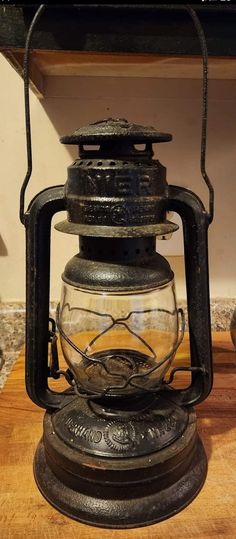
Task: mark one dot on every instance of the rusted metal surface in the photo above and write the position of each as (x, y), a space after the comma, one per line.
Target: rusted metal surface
(122, 492)
(123, 270)
(143, 425)
(117, 189)
(113, 130)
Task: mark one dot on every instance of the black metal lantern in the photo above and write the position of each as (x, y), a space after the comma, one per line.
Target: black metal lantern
(120, 447)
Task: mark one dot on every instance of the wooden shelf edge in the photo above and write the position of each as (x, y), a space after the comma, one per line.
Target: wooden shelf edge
(51, 64)
(36, 81)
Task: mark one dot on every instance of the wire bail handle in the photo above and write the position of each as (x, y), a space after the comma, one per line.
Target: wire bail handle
(202, 41)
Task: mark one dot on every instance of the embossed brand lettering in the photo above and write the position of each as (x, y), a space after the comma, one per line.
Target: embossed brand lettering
(117, 213)
(127, 185)
(165, 426)
(124, 185)
(86, 433)
(93, 214)
(144, 186)
(92, 184)
(98, 184)
(154, 432)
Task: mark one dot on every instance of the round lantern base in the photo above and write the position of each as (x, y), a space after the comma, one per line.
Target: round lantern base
(123, 492)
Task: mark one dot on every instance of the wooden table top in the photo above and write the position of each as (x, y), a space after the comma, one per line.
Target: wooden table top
(25, 513)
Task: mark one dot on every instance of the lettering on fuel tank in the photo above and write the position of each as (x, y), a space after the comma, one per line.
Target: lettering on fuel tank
(86, 433)
(163, 428)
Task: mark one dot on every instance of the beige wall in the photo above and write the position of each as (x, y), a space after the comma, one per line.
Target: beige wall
(170, 105)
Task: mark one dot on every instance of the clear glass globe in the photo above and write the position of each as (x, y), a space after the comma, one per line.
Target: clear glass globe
(116, 343)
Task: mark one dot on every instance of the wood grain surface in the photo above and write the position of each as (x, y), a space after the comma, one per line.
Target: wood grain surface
(50, 64)
(25, 513)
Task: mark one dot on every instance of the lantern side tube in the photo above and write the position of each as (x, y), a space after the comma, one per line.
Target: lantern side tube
(195, 226)
(38, 237)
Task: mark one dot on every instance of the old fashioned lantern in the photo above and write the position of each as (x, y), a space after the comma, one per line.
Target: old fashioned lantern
(120, 446)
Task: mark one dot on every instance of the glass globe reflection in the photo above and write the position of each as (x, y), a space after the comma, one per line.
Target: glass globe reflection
(116, 343)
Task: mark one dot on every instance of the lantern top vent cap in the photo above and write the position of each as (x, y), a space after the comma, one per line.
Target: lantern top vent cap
(113, 129)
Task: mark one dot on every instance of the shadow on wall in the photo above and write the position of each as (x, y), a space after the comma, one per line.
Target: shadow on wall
(3, 247)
